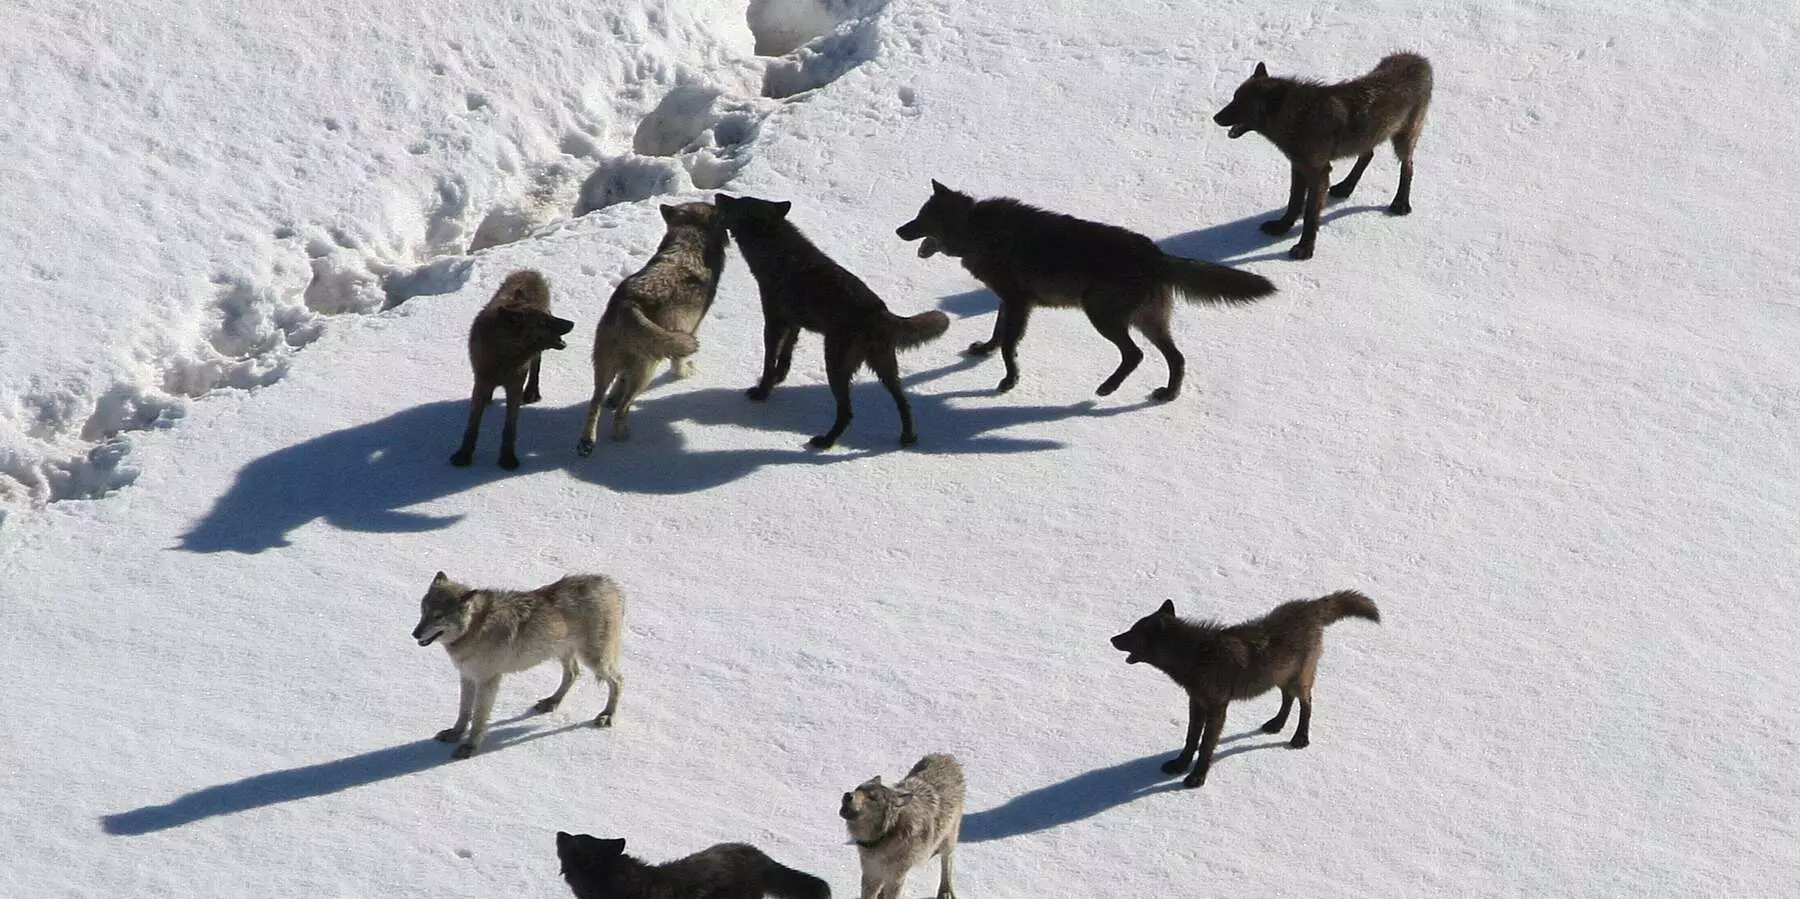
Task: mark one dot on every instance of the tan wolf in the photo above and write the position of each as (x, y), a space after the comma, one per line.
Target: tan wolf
(1216, 664)
(896, 828)
(505, 342)
(654, 314)
(1313, 123)
(490, 633)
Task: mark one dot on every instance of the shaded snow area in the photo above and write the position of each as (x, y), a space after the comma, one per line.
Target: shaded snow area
(1548, 422)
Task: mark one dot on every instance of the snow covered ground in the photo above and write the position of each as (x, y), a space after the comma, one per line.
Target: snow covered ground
(1548, 422)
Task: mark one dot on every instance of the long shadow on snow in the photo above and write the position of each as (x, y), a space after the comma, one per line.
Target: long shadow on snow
(308, 782)
(363, 477)
(1084, 795)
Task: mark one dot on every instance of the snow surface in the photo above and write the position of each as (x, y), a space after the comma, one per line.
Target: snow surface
(1548, 422)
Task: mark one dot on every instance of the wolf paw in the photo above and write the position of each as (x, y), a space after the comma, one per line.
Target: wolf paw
(1193, 780)
(1006, 384)
(584, 448)
(531, 396)
(545, 706)
(1273, 726)
(1301, 251)
(1106, 388)
(1400, 209)
(1176, 765)
(1299, 742)
(1164, 394)
(1341, 190)
(463, 751)
(980, 348)
(822, 442)
(683, 368)
(1277, 227)
(604, 719)
(757, 393)
(462, 458)
(509, 461)
(448, 735)
(908, 439)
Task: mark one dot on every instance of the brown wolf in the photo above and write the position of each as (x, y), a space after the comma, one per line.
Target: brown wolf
(1314, 123)
(802, 288)
(505, 342)
(654, 314)
(599, 869)
(1029, 257)
(1217, 664)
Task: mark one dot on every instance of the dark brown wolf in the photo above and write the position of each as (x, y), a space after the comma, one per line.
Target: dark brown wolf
(802, 288)
(600, 869)
(1314, 123)
(1216, 664)
(655, 314)
(1030, 257)
(508, 336)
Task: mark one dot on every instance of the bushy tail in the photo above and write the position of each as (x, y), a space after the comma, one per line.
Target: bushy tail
(1207, 282)
(915, 330)
(787, 883)
(1348, 604)
(663, 340)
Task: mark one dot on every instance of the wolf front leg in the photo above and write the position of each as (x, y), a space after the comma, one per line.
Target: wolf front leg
(1318, 181)
(1296, 202)
(463, 707)
(478, 725)
(1215, 723)
(478, 401)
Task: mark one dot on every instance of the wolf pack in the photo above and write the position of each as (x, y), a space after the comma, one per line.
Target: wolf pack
(1028, 257)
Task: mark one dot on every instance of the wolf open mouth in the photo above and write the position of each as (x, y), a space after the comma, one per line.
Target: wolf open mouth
(557, 343)
(427, 641)
(1238, 131)
(928, 248)
(1131, 658)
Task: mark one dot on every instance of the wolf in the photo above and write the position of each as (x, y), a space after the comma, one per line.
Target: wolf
(654, 314)
(896, 828)
(1217, 664)
(1031, 257)
(1314, 123)
(489, 633)
(802, 288)
(600, 869)
(509, 335)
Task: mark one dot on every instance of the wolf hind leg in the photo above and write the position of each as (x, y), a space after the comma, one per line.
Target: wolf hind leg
(1303, 691)
(1114, 328)
(1404, 141)
(631, 383)
(605, 392)
(1347, 186)
(570, 669)
(1153, 321)
(841, 362)
(887, 370)
(947, 870)
(1275, 724)
(479, 399)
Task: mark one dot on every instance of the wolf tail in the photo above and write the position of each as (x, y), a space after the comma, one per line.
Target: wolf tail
(1347, 604)
(787, 883)
(1207, 282)
(661, 339)
(914, 330)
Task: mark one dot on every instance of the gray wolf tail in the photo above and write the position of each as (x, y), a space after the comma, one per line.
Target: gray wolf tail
(787, 883)
(914, 330)
(1207, 282)
(663, 340)
(1347, 604)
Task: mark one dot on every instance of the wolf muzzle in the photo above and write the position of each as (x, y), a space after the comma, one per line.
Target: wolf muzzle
(914, 230)
(427, 641)
(1131, 658)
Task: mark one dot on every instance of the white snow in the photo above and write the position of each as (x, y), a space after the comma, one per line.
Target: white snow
(1548, 422)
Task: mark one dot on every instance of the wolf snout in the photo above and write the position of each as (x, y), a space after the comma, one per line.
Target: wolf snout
(428, 640)
(911, 230)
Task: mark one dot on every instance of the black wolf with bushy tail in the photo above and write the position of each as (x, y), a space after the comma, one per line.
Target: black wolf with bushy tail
(803, 289)
(1030, 257)
(600, 869)
(1216, 664)
(1313, 124)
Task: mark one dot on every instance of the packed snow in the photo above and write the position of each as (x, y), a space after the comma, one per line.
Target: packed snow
(1548, 422)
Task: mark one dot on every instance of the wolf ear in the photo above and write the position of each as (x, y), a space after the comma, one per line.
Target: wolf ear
(441, 578)
(612, 847)
(1168, 607)
(937, 188)
(781, 208)
(1262, 71)
(668, 213)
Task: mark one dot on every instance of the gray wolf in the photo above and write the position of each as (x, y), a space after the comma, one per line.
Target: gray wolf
(1030, 257)
(509, 335)
(1216, 664)
(1314, 123)
(896, 828)
(600, 869)
(490, 633)
(654, 314)
(802, 288)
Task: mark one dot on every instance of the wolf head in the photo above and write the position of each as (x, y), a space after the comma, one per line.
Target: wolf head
(589, 863)
(1140, 644)
(533, 330)
(444, 612)
(943, 222)
(871, 809)
(1253, 104)
(749, 212)
(702, 217)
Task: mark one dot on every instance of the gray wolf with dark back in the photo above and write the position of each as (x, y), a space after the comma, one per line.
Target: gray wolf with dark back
(803, 289)
(1314, 123)
(654, 314)
(600, 869)
(1217, 664)
(897, 828)
(490, 633)
(1030, 257)
(509, 335)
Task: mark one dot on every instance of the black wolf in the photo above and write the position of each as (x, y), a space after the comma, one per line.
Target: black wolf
(1030, 257)
(1216, 664)
(600, 869)
(802, 288)
(1314, 123)
(505, 342)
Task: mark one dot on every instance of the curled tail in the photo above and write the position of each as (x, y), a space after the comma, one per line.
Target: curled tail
(661, 339)
(786, 883)
(1208, 282)
(914, 330)
(1347, 604)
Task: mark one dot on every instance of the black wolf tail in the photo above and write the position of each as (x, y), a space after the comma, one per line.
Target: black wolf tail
(787, 883)
(664, 341)
(914, 330)
(1347, 604)
(1207, 282)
